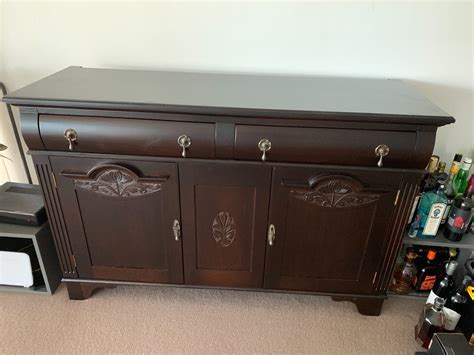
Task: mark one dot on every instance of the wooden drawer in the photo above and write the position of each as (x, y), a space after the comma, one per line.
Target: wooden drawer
(127, 136)
(324, 145)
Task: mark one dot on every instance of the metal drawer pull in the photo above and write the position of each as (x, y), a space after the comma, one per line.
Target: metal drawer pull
(176, 230)
(271, 234)
(184, 142)
(264, 145)
(71, 136)
(381, 151)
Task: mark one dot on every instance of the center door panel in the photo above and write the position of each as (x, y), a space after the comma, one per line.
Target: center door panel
(224, 219)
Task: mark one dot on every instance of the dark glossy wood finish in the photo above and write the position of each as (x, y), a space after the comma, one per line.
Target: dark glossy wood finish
(251, 95)
(330, 226)
(120, 218)
(366, 306)
(113, 200)
(82, 290)
(224, 212)
(121, 136)
(325, 146)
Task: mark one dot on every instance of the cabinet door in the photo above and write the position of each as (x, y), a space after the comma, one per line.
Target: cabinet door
(120, 215)
(224, 210)
(330, 227)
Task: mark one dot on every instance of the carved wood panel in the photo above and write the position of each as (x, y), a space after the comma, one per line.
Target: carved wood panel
(115, 181)
(224, 229)
(336, 192)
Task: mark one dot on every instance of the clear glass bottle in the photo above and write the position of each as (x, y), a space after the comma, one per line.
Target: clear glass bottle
(431, 321)
(404, 273)
(431, 209)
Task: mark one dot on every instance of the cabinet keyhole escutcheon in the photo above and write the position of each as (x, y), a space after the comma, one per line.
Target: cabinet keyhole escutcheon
(271, 234)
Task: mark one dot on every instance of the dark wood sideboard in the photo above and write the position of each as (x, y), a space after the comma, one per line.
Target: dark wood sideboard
(271, 183)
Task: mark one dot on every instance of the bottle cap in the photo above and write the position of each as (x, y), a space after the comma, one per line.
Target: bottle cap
(452, 266)
(441, 166)
(431, 254)
(457, 157)
(432, 164)
(466, 164)
(439, 302)
(455, 166)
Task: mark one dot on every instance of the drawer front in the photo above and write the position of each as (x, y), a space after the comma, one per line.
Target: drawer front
(127, 136)
(324, 145)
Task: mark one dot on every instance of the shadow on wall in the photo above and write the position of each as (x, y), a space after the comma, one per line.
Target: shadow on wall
(459, 103)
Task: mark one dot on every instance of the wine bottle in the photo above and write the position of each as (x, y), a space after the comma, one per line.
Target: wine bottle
(455, 305)
(460, 180)
(461, 214)
(443, 286)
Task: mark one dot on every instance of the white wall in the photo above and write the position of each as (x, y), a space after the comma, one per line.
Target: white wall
(427, 44)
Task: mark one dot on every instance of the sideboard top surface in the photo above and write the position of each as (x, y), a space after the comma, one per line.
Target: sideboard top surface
(232, 94)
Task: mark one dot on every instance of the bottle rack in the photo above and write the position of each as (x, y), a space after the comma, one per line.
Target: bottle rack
(466, 251)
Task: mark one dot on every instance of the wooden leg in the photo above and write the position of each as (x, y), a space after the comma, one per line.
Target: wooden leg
(365, 305)
(82, 290)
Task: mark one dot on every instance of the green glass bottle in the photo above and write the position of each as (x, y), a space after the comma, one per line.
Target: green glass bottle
(460, 180)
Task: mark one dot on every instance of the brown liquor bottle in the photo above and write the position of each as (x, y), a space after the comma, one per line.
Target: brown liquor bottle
(431, 321)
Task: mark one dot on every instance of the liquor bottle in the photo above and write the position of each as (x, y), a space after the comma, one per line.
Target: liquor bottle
(427, 184)
(431, 321)
(441, 168)
(431, 210)
(404, 273)
(450, 191)
(455, 305)
(453, 254)
(427, 273)
(461, 214)
(443, 286)
(460, 180)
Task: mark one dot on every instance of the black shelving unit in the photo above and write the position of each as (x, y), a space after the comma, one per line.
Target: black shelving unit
(466, 251)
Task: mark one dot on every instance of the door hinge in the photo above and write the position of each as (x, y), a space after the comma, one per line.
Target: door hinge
(396, 198)
(74, 261)
(53, 178)
(375, 276)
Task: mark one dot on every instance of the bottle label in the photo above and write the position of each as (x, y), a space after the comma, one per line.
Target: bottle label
(413, 208)
(446, 211)
(434, 219)
(431, 297)
(427, 283)
(458, 220)
(451, 318)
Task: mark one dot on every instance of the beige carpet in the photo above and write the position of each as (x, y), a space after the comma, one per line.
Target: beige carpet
(176, 320)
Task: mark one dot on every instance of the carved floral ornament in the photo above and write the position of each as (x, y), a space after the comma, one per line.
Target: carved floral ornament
(336, 191)
(117, 182)
(224, 229)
